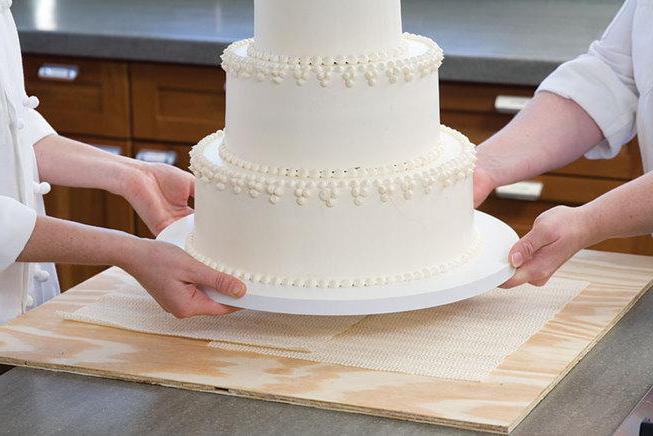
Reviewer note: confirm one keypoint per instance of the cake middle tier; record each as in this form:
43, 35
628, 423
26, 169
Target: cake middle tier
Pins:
339, 114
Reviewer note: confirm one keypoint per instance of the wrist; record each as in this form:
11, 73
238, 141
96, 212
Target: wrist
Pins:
491, 168
485, 175
130, 178
589, 229
131, 251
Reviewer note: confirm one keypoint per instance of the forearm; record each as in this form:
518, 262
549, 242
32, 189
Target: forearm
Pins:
55, 240
623, 212
170, 275
549, 133
65, 162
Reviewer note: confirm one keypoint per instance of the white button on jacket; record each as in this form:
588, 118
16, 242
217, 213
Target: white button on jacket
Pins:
41, 275
22, 285
42, 188
613, 82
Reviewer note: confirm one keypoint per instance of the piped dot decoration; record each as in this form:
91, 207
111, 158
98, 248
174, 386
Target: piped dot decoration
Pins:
349, 282
328, 186
394, 65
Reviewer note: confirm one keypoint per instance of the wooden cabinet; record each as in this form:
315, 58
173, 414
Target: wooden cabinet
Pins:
472, 109
81, 97
87, 100
177, 103
173, 108
92, 207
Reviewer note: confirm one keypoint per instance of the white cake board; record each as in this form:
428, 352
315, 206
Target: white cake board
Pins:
486, 270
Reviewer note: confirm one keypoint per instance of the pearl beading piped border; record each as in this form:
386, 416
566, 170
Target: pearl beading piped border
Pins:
401, 51
351, 70
322, 282
231, 158
329, 191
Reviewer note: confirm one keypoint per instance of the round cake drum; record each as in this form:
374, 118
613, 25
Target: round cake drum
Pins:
488, 269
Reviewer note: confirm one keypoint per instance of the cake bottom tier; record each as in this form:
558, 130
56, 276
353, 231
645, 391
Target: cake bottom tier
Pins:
337, 233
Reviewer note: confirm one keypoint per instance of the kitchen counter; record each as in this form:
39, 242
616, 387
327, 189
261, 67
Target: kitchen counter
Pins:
500, 41
492, 41
593, 399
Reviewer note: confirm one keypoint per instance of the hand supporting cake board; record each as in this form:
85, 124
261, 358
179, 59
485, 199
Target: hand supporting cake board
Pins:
486, 270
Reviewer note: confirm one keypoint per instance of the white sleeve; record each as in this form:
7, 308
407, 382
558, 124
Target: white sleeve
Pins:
602, 83
36, 128
17, 223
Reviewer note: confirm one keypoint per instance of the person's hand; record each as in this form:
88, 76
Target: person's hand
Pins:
556, 236
173, 278
159, 194
484, 184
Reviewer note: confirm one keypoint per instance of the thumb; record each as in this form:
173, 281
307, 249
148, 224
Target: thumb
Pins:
221, 282
526, 247
201, 304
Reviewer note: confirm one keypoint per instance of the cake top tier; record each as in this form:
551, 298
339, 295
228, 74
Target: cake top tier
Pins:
327, 27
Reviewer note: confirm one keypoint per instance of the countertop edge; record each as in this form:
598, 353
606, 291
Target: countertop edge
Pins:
460, 68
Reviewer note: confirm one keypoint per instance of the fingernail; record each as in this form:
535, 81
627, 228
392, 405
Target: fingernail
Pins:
238, 290
516, 259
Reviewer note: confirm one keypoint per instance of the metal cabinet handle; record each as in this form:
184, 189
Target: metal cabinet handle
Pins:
526, 191
113, 149
157, 156
510, 104
64, 73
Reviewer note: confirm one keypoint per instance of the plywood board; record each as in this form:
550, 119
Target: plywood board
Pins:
41, 339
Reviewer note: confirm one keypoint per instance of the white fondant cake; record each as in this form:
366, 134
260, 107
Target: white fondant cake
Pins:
334, 170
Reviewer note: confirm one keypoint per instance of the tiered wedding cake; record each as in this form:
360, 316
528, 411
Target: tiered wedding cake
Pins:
333, 170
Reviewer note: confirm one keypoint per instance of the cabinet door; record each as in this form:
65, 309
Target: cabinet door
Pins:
81, 96
177, 103
171, 154
92, 207
520, 211
480, 110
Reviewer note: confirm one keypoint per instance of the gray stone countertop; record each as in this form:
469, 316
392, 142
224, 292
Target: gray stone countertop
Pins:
492, 41
592, 400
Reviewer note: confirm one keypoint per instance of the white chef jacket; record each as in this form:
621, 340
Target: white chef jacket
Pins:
613, 82
22, 285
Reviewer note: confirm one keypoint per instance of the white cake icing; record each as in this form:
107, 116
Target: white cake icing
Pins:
333, 27
333, 170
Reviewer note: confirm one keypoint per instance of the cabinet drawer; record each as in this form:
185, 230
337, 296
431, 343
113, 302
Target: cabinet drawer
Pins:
174, 154
627, 165
573, 191
81, 97
558, 189
177, 103
92, 207
472, 109
520, 216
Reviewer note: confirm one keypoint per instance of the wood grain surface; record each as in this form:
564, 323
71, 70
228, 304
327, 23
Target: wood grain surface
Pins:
96, 102
41, 339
